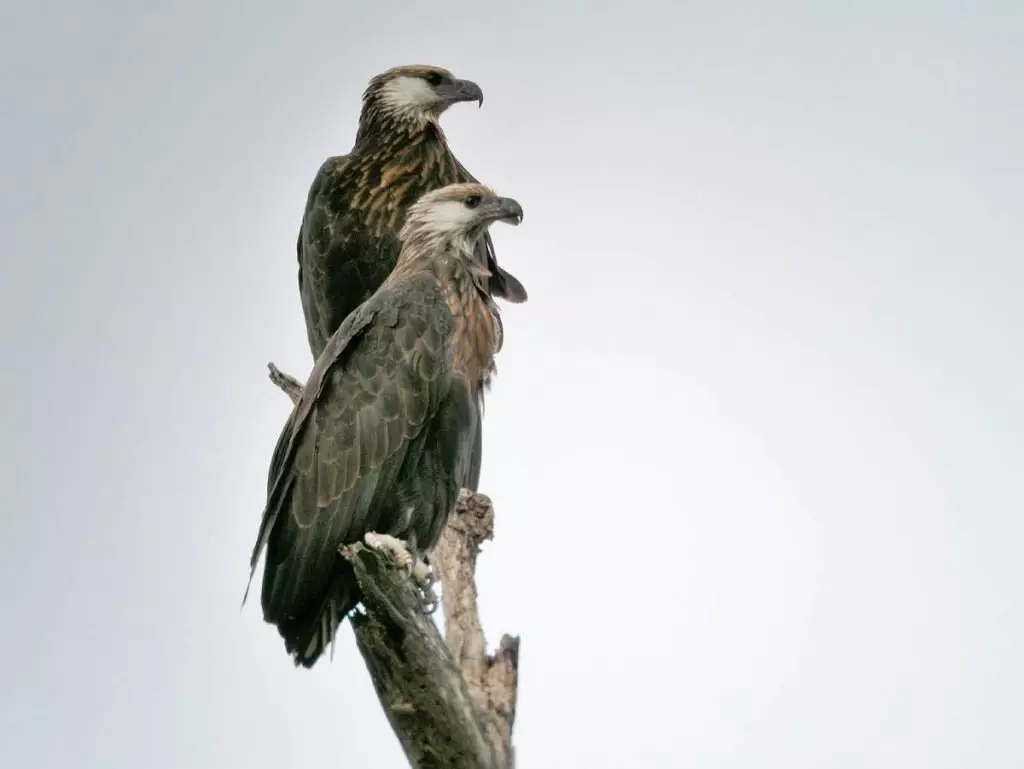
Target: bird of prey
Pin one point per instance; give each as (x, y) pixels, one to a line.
(381, 438)
(357, 203)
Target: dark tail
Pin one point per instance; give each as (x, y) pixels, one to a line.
(307, 637)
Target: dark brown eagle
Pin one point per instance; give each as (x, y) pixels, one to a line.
(382, 437)
(348, 241)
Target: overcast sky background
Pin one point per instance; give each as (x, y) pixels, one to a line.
(757, 439)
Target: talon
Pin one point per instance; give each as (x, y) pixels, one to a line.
(423, 574)
(428, 601)
(425, 577)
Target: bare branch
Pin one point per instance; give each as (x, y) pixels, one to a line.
(492, 679)
(420, 688)
(291, 386)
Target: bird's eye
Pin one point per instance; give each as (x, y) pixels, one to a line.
(433, 78)
(472, 201)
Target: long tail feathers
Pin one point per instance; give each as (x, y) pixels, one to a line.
(307, 638)
(247, 586)
(307, 647)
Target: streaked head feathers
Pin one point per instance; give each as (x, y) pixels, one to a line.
(458, 212)
(418, 92)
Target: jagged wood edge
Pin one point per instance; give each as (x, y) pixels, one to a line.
(492, 679)
(450, 704)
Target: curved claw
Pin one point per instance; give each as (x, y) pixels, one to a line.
(423, 574)
(428, 602)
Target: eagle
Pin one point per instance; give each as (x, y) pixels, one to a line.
(348, 241)
(382, 436)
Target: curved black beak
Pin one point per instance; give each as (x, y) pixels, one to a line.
(460, 90)
(505, 210)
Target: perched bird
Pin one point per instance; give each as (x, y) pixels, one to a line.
(381, 438)
(348, 240)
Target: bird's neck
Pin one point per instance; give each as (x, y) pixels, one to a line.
(400, 164)
(475, 337)
(382, 129)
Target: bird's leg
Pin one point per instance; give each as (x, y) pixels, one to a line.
(423, 572)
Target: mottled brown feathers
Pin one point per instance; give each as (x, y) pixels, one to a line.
(474, 340)
(388, 427)
(348, 241)
(404, 168)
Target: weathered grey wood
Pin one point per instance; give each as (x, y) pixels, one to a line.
(492, 679)
(291, 386)
(420, 688)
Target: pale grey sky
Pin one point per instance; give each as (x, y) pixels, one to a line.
(756, 440)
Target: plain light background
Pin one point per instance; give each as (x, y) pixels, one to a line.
(755, 444)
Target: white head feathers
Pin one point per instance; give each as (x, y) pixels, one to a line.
(409, 95)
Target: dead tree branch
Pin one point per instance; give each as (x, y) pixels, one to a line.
(492, 679)
(451, 705)
(291, 386)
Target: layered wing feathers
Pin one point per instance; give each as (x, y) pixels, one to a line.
(347, 442)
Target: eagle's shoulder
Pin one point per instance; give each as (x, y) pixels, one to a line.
(333, 176)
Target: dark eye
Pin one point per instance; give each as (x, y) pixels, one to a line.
(433, 78)
(472, 201)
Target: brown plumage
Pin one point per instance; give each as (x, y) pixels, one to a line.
(382, 438)
(348, 241)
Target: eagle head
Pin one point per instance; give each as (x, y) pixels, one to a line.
(457, 214)
(418, 92)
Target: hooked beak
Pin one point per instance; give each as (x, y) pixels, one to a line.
(505, 210)
(460, 90)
